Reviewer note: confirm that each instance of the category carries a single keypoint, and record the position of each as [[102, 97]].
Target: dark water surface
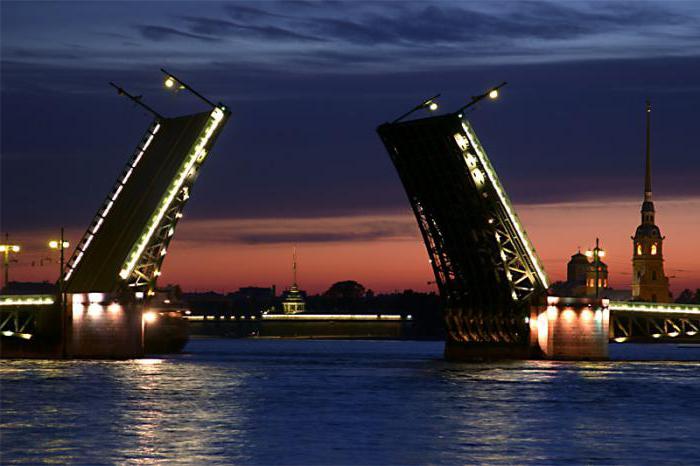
[[350, 402]]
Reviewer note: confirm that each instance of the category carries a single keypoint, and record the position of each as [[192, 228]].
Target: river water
[[312, 402]]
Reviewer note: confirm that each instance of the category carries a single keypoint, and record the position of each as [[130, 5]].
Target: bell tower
[[649, 283]]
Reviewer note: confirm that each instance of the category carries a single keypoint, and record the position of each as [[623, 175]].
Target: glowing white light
[[127, 175], [107, 209], [96, 298], [147, 143], [461, 141], [116, 193], [98, 224], [150, 317], [94, 310], [88, 240], [114, 308], [77, 259], [27, 300], [136, 160]]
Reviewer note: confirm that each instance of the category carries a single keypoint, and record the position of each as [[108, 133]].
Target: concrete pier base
[[99, 327], [572, 328]]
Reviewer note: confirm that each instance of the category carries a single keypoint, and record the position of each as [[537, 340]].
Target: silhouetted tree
[[686, 297], [348, 289]]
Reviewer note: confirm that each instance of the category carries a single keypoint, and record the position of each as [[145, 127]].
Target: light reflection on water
[[343, 402]]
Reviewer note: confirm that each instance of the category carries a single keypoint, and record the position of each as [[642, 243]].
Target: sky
[[300, 163]]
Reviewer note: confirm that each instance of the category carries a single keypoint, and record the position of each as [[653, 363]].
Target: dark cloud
[[23, 53], [299, 230], [162, 33], [219, 27]]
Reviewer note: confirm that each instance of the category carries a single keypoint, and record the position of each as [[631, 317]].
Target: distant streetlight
[[596, 253], [8, 249], [173, 83], [431, 104], [61, 245]]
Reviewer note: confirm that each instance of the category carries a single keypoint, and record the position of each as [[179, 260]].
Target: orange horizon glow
[[385, 252]]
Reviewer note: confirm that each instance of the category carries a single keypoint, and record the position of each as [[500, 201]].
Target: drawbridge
[[119, 258], [127, 240], [489, 276]]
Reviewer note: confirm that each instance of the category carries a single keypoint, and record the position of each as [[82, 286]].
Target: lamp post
[[7, 249], [492, 94], [429, 103], [173, 83], [596, 254], [60, 245]]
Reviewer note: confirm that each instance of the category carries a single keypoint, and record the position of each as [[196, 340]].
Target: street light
[[53, 244], [492, 94], [596, 253], [8, 249], [431, 104], [175, 84], [61, 245]]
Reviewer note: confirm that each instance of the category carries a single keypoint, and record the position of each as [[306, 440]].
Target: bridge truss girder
[[630, 326]]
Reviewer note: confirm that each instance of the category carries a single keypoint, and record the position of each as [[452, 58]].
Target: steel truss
[[631, 326], [18, 321], [147, 269], [484, 266]]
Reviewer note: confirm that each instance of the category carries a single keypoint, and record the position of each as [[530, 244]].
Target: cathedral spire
[[294, 266], [647, 177]]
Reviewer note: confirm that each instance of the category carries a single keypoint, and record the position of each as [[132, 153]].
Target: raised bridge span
[[491, 281], [114, 268]]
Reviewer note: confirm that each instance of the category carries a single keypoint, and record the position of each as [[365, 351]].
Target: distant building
[[577, 273], [293, 302], [649, 283], [581, 278]]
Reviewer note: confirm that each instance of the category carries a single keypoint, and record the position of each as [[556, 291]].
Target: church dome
[[579, 258]]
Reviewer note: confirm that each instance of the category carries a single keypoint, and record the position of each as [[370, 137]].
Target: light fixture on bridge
[[492, 94], [150, 317], [173, 83], [430, 104]]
